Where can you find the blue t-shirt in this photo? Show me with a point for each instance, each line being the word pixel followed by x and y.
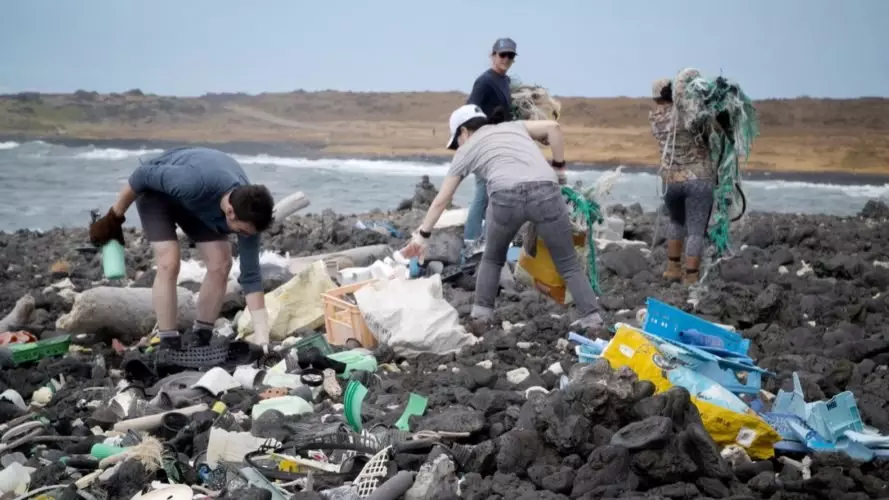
pixel 198 178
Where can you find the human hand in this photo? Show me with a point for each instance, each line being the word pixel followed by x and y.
pixel 416 247
pixel 562 175
pixel 107 228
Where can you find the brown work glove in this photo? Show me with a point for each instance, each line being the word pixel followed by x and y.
pixel 107 228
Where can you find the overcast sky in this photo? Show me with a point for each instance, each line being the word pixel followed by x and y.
pixel 773 48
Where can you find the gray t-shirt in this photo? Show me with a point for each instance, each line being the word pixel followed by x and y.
pixel 504 155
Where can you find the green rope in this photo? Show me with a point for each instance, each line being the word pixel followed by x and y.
pixel 728 174
pixel 589 212
pixel 703 101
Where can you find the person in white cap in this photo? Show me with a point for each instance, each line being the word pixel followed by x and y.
pixel 522 187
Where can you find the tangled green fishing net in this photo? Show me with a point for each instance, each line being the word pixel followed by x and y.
pixel 588 213
pixel 699 102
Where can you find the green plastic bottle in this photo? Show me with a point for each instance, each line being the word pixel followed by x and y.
pixel 101 450
pixel 113 262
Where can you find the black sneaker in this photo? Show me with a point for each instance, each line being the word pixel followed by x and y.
pixel 197 338
pixel 171 343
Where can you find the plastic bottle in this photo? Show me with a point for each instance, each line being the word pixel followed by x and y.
pixel 113 261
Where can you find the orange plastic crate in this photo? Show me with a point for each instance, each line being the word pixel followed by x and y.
pixel 343 320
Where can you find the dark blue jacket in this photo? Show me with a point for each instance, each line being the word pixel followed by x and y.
pixel 491 91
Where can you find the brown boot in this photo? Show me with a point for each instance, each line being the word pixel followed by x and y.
pixel 692 270
pixel 674 263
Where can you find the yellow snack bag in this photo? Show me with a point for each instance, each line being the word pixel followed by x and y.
pixel 726 418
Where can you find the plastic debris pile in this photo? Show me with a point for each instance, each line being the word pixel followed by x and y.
pixel 349 404
pixel 673 348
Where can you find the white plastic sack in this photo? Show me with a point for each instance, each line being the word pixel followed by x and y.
pixel 295 304
pixel 412 316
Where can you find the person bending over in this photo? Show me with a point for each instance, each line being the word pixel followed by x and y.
pixel 522 187
pixel 690 178
pixel 492 94
pixel 207 194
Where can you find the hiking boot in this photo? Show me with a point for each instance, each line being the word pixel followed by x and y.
pixel 674 261
pixel 692 271
pixel 673 271
pixel 197 338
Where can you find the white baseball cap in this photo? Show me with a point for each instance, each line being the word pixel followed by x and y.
pixel 460 116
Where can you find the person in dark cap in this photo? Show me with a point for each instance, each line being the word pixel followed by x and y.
pixel 491 93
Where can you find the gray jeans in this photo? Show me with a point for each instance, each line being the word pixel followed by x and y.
pixel 542 204
pixel 689 204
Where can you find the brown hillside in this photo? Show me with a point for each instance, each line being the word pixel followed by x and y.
pixel 845 135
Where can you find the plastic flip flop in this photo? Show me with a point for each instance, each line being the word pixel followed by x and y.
pixel 19 337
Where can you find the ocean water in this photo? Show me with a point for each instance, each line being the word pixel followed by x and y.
pixel 46 185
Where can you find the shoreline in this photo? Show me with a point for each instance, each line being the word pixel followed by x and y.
pixel 295 149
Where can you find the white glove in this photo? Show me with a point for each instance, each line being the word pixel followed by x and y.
pixel 260 319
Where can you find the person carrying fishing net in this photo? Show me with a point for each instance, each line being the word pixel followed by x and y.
pixel 522 187
pixel 693 125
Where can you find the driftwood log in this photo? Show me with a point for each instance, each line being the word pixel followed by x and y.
pixel 290 205
pixel 126 314
pixel 20 315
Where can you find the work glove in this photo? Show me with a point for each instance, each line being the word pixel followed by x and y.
pixel 416 247
pixel 261 331
pixel 107 228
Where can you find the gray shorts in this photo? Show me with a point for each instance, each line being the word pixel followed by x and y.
pixel 160 215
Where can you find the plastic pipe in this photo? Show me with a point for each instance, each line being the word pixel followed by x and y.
pixel 152 422
pixel 395 487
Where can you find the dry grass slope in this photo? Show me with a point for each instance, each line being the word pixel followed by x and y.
pixel 806 135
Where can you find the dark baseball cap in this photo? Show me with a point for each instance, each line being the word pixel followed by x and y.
pixel 504 45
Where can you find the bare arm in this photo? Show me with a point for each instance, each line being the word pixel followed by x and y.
pixel 548 132
pixel 125 198
pixel 441 201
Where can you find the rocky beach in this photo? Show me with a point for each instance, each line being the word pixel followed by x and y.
pixel 808 291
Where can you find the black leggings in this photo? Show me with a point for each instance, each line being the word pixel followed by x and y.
pixel 689 204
